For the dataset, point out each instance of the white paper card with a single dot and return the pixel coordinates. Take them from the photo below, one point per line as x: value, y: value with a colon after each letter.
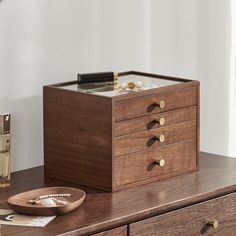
x: 9, y: 217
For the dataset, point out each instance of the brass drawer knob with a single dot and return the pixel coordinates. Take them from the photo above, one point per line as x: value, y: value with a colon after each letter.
x: 160, y: 104
x: 161, y: 121
x: 214, y: 223
x: 160, y: 138
x: 161, y: 162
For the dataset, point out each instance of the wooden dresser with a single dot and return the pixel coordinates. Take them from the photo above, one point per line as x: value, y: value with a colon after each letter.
x: 122, y: 139
x: 198, y: 203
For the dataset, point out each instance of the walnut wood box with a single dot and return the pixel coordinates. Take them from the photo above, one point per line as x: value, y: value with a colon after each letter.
x: 117, y: 142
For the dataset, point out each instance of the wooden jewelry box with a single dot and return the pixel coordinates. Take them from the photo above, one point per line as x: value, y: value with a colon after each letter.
x: 107, y: 137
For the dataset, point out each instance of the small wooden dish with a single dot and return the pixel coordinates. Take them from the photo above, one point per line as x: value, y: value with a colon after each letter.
x: 20, y: 202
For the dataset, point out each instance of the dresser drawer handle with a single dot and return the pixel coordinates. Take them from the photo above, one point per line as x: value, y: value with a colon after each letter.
x: 160, y: 138
x: 161, y: 121
x: 160, y: 162
x: 160, y: 104
x: 214, y: 223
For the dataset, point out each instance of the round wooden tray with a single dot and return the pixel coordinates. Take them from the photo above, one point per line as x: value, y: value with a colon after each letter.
x: 20, y: 202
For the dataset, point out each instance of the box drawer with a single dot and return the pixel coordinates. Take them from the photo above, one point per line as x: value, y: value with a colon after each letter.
x: 176, y: 158
x: 155, y: 121
x: 194, y: 220
x: 160, y: 102
x: 155, y: 138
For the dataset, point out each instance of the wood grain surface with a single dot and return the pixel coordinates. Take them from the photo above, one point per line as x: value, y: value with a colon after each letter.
x: 103, y: 211
x: 179, y: 158
x: 149, y: 121
x: 84, y: 133
x: 140, y: 106
x: 192, y: 220
x: 78, y: 137
x: 146, y: 139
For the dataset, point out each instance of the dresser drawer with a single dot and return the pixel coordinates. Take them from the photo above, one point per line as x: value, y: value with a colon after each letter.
x: 120, y: 231
x: 140, y: 106
x: 155, y: 121
x: 177, y: 159
x: 194, y: 220
x: 150, y: 139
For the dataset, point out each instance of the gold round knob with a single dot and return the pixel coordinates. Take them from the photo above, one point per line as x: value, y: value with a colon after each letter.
x: 160, y: 138
x: 214, y: 223
x: 161, y: 121
x: 161, y: 162
x: 161, y: 104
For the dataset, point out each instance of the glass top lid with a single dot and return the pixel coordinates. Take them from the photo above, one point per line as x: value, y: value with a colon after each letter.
x: 125, y: 84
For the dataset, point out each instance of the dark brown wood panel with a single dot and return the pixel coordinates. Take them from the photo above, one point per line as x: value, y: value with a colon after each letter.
x: 78, y: 137
x: 151, y: 121
x: 145, y: 105
x: 138, y: 166
x: 193, y: 220
x: 103, y: 211
x: 121, y: 231
x: 146, y: 140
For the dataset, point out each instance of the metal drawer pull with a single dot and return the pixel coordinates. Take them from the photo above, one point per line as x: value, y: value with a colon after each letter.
x: 160, y: 162
x: 161, y: 121
x: 160, y: 104
x: 214, y: 223
x: 160, y: 138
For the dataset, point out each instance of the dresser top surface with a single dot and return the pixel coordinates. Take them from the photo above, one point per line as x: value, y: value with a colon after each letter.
x: 103, y: 210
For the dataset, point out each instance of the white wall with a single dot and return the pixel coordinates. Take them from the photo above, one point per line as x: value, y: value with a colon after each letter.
x: 43, y: 42
x: 193, y: 39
